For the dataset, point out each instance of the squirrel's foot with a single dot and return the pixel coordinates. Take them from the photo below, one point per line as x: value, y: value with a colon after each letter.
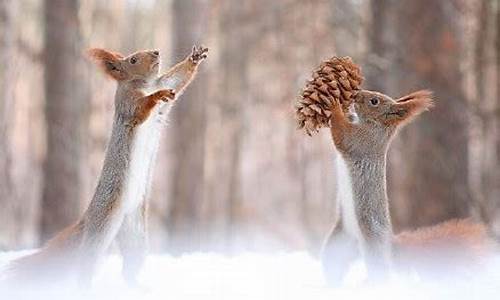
x: 166, y: 95
x: 198, y: 54
x: 133, y: 284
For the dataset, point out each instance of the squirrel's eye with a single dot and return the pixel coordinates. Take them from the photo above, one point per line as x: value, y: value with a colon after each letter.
x: 374, y: 101
x: 133, y: 60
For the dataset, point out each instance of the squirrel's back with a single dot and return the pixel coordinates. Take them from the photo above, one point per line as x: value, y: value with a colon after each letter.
x: 459, y: 245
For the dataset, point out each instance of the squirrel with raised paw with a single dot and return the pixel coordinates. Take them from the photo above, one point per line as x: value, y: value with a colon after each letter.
x: 118, y: 209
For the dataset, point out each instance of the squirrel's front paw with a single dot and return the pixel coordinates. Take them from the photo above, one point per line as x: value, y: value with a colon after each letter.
x: 335, y: 105
x: 166, y: 95
x: 198, y: 54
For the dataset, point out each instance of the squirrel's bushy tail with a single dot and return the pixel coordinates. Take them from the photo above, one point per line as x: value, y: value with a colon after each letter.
x: 52, y: 261
x: 451, y: 247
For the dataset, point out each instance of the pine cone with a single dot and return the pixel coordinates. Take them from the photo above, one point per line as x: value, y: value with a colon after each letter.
x: 336, y: 78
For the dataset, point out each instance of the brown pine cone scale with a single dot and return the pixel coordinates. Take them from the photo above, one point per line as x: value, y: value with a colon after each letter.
x: 335, y: 78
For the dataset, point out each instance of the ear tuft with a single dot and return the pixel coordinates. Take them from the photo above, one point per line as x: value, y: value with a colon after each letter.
x: 108, y: 61
x: 423, y: 96
x: 420, y: 101
x: 410, y: 106
x: 102, y: 54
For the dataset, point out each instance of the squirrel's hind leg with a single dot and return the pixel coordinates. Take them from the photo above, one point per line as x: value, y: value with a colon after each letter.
x: 377, y: 254
x: 98, y: 233
x: 133, y: 243
x: 338, y: 253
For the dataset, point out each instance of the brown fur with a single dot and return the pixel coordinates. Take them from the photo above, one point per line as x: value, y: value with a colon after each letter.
x: 59, y: 253
x: 107, y: 61
x: 147, y: 103
x: 468, y: 234
x: 453, y: 244
x: 377, y: 124
x: 410, y: 106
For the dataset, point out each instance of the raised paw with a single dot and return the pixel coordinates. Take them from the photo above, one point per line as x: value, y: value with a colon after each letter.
x: 337, y: 113
x: 166, y: 95
x: 198, y: 54
x: 336, y: 105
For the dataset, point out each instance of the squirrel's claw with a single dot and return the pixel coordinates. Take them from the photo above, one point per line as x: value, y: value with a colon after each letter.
x: 336, y: 105
x: 167, y: 94
x: 198, y: 54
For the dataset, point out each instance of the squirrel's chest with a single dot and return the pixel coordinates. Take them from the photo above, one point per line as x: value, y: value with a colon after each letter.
x: 345, y: 196
x: 142, y: 156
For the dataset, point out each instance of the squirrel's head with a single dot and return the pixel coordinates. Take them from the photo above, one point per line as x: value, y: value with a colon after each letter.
x: 142, y: 65
x: 381, y: 111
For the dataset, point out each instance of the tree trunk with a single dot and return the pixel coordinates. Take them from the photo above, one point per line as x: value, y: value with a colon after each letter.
x: 435, y: 146
x: 481, y: 70
x: 347, y: 27
x: 188, y: 132
x: 484, y: 176
x: 231, y: 102
x: 428, y: 163
x: 224, y: 182
x: 382, y: 71
x: 67, y: 113
x: 381, y: 46
x: 495, y: 215
x: 7, y: 194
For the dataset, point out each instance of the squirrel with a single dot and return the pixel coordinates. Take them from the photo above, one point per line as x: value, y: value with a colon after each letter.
x: 363, y: 225
x: 118, y: 209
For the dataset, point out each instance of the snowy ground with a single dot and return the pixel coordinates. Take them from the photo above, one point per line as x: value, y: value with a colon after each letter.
x: 258, y: 276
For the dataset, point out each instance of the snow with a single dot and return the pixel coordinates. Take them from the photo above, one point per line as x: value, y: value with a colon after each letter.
x: 257, y: 276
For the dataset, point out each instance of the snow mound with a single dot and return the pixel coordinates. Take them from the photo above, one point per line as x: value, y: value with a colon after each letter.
x: 256, y: 276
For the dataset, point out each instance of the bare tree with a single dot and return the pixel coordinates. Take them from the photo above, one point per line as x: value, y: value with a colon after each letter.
x: 381, y: 45
x: 428, y: 163
x: 482, y: 88
x: 224, y: 193
x: 433, y: 165
x: 382, y: 70
x: 232, y: 100
x: 348, y: 18
x: 495, y: 215
x: 67, y: 113
x: 7, y: 49
x: 188, y: 130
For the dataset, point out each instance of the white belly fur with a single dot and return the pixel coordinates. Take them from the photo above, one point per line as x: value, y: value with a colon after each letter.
x: 345, y: 198
x: 142, y: 157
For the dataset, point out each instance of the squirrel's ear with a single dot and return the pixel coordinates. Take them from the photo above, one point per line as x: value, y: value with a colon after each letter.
x: 109, y: 62
x: 408, y: 107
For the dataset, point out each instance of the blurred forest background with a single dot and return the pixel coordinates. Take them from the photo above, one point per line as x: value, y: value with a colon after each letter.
x: 233, y: 172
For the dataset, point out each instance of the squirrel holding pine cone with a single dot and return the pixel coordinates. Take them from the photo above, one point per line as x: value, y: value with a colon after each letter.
x: 362, y: 124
